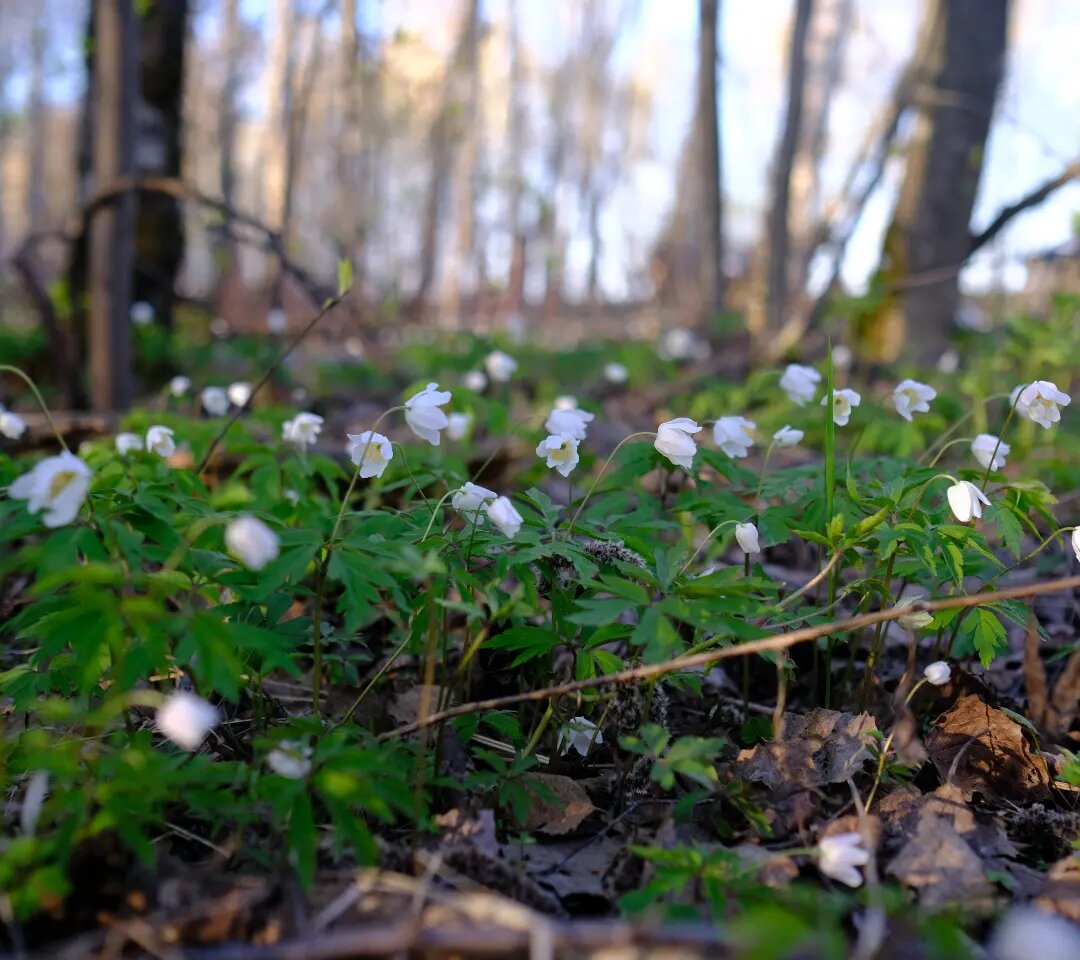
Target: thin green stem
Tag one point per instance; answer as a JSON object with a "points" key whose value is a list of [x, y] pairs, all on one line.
{"points": [[479, 472], [712, 533], [544, 723], [951, 443], [600, 475], [379, 674], [764, 467], [435, 511], [7, 368], [1019, 563], [997, 446], [959, 423]]}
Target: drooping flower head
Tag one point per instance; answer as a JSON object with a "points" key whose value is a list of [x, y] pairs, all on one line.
{"points": [[911, 397], [615, 372], [675, 440], [732, 435], [840, 856], [569, 420], [126, 442], [787, 437], [983, 449], [500, 366], [186, 719], [472, 500], [966, 500], [502, 514], [215, 401], [302, 430], [12, 425], [458, 425], [1040, 401], [747, 536], [938, 673], [577, 734], [290, 759], [371, 452], [560, 450], [58, 485], [423, 415], [159, 440], [475, 380], [179, 385], [844, 401], [252, 542], [239, 393], [800, 382]]}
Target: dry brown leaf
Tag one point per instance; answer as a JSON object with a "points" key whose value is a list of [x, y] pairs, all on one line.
{"points": [[477, 830], [941, 867], [1062, 891], [405, 707], [1035, 674], [558, 806], [1066, 699], [818, 748], [990, 753]]}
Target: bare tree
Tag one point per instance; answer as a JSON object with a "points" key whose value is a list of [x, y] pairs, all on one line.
{"points": [[709, 154]]}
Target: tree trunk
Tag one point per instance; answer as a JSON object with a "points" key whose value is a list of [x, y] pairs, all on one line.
{"points": [[36, 119], [709, 158], [515, 293], [929, 238], [228, 117]]}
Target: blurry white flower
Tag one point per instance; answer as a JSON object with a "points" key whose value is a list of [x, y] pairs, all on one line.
{"points": [[252, 542], [186, 719], [843, 402], [215, 401], [968, 316], [1076, 542], [142, 313], [910, 397], [219, 327], [423, 415], [678, 343], [12, 425], [58, 485], [126, 442], [159, 440], [747, 536], [276, 320], [179, 385], [917, 619], [515, 327], [1029, 933], [787, 437], [458, 425], [475, 380], [674, 439], [501, 512], [569, 420], [938, 673], [1041, 400], [302, 430], [949, 362], [33, 800], [561, 452], [732, 435], [800, 383], [293, 496], [983, 447], [840, 856], [471, 500], [577, 734], [239, 393], [565, 402], [290, 759], [966, 500], [842, 356], [371, 452], [500, 366], [1016, 401], [354, 347], [615, 372]]}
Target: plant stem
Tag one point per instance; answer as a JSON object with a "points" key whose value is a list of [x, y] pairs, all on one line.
{"points": [[712, 533], [7, 368], [599, 476]]}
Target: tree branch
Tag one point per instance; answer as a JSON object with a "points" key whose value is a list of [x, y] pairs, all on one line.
{"points": [[1033, 199]]}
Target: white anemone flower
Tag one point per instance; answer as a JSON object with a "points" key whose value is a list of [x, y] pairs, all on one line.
{"points": [[160, 440], [1041, 401], [276, 320], [565, 401], [911, 397], [142, 313], [371, 452], [58, 485], [732, 435], [179, 385], [569, 420], [938, 673], [458, 425], [502, 514], [840, 856], [290, 759], [787, 436], [126, 442], [674, 439], [472, 499], [989, 451], [1015, 401], [966, 500], [475, 380], [1028, 932], [616, 372], [423, 415], [844, 401], [252, 542], [747, 536], [12, 425], [800, 382], [239, 393], [1075, 539], [215, 401], [917, 619], [302, 430], [561, 452], [500, 366], [186, 719], [578, 734]]}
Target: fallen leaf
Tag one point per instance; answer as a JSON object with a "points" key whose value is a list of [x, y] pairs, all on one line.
{"points": [[1062, 891], [476, 830], [990, 753], [940, 866], [558, 806]]}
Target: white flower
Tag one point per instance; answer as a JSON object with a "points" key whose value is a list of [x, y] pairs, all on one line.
{"points": [[423, 415], [1076, 542], [371, 452], [57, 485], [910, 397], [840, 856], [252, 542], [916, 620], [12, 425], [159, 440], [732, 435], [276, 320], [577, 734], [354, 347], [787, 436], [501, 512], [842, 356], [500, 366], [215, 401], [561, 452], [938, 673], [33, 800], [565, 402], [674, 439], [678, 343], [186, 719], [219, 327], [142, 313], [948, 362], [747, 536], [983, 447], [302, 430], [290, 759], [180, 385], [966, 500], [458, 425], [968, 316], [1015, 401], [472, 499], [1033, 933], [293, 496], [1041, 400], [843, 402], [239, 393], [475, 380], [569, 420], [800, 383], [126, 442], [615, 372]]}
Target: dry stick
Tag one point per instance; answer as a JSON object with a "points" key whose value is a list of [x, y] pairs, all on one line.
{"points": [[780, 641], [270, 371]]}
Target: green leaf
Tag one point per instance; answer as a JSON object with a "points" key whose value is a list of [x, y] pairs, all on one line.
{"points": [[985, 632], [302, 838], [344, 276], [529, 642]]}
